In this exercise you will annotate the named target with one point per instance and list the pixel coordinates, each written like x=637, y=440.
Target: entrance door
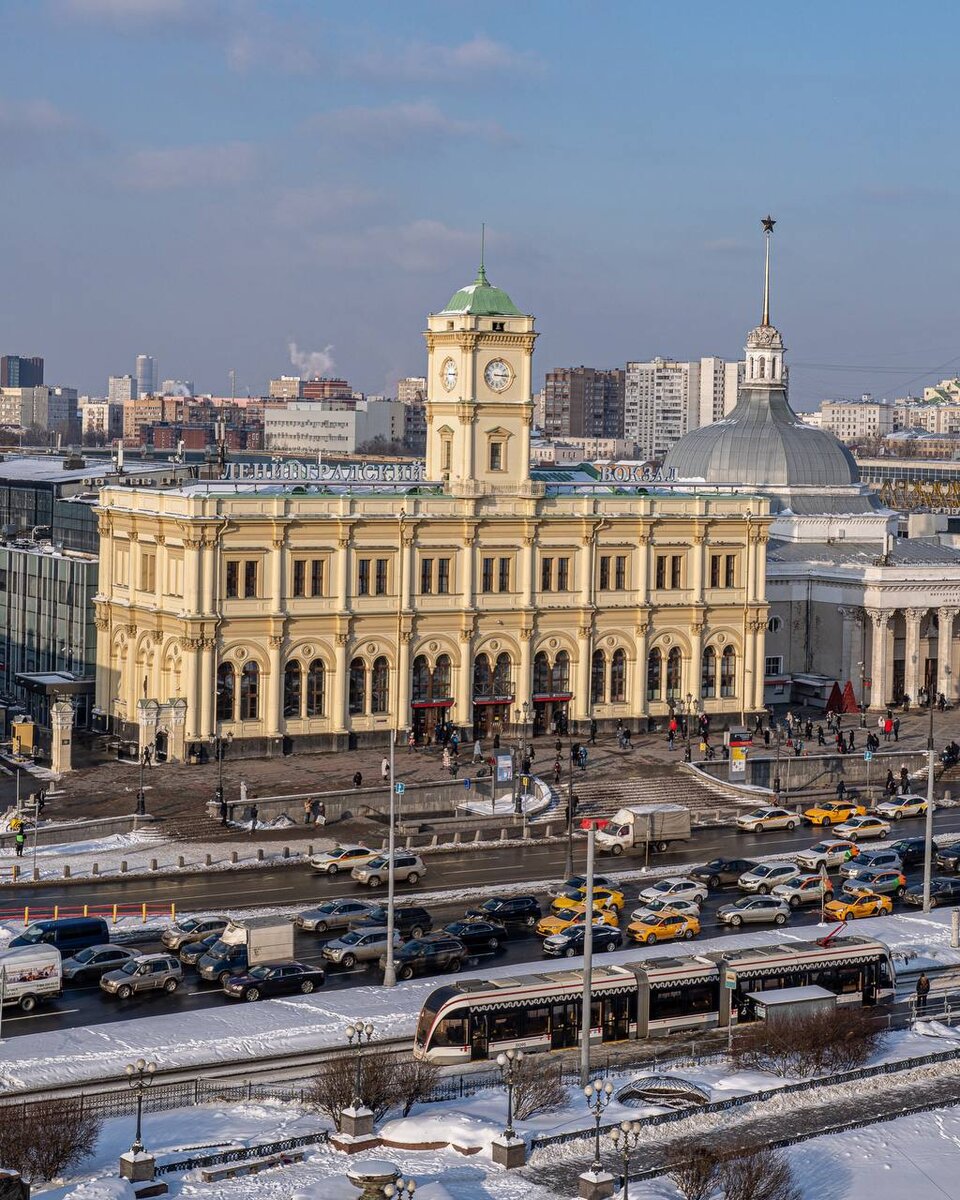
x=564, y=1026
x=616, y=1018
x=478, y=1036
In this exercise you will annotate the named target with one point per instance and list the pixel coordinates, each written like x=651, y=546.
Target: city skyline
x=269, y=188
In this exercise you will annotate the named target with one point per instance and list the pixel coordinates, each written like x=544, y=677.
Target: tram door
x=616, y=1018
x=564, y=1026
x=478, y=1036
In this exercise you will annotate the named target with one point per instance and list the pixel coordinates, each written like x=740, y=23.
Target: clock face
x=498, y=375
x=448, y=373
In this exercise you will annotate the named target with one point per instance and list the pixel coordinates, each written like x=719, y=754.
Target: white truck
x=645, y=827
x=29, y=975
x=246, y=943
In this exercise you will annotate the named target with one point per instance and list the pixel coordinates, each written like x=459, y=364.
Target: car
x=762, y=819
x=511, y=911
x=765, y=876
x=664, y=927
x=863, y=827
x=407, y=867
x=576, y=882
x=650, y=908
x=478, y=935
x=874, y=859
x=754, y=910
x=879, y=881
x=191, y=929
x=602, y=898
x=192, y=952
x=424, y=956
x=913, y=850
x=358, y=946
x=274, y=979
x=942, y=891
x=93, y=962
x=722, y=871
x=948, y=858
x=569, y=943
x=849, y=908
x=333, y=914
x=898, y=807
x=805, y=889
x=828, y=852
x=833, y=812
x=555, y=924
x=409, y=920
x=675, y=888
x=342, y=858
x=144, y=973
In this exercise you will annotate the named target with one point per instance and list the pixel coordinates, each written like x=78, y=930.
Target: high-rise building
x=101, y=420
x=53, y=409
x=121, y=389
x=412, y=389
x=146, y=375
x=583, y=402
x=287, y=387
x=665, y=399
x=325, y=389
x=19, y=372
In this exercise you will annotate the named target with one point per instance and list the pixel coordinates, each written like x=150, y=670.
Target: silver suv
x=359, y=945
x=146, y=973
x=406, y=866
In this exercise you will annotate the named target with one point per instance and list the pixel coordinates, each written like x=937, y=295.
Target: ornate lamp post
x=509, y=1064
x=598, y=1097
x=355, y=1036
x=140, y=1076
x=219, y=745
x=401, y=1188
x=626, y=1139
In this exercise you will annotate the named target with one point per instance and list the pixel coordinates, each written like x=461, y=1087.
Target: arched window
x=618, y=677
x=674, y=673
x=226, y=692
x=357, y=690
x=561, y=673
x=292, y=689
x=380, y=686
x=654, y=675
x=728, y=672
x=421, y=678
x=316, y=688
x=501, y=676
x=708, y=675
x=250, y=692
x=441, y=678
x=598, y=677
x=762, y=365
x=541, y=673
x=481, y=675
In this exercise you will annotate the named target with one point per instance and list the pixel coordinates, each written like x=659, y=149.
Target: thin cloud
x=470, y=61
x=301, y=208
x=400, y=124
x=191, y=166
x=132, y=12
x=31, y=130
x=419, y=247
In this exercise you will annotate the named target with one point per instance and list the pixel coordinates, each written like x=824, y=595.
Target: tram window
x=505, y=1026
x=451, y=1031
x=702, y=997
x=666, y=1003
x=850, y=980
x=884, y=973
x=537, y=1022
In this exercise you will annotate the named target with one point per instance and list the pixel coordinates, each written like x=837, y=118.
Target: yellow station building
x=312, y=608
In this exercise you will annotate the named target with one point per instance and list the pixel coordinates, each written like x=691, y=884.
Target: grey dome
x=762, y=443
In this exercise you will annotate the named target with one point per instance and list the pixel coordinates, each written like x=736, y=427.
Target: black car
x=274, y=979
x=720, y=872
x=575, y=882
x=478, y=935
x=948, y=858
x=192, y=952
x=409, y=920
x=569, y=943
x=424, y=956
x=911, y=850
x=942, y=891
x=508, y=910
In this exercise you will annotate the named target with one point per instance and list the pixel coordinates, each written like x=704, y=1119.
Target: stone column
x=945, y=680
x=878, y=657
x=340, y=684
x=176, y=742
x=747, y=682
x=638, y=684
x=524, y=686
x=759, y=642
x=206, y=686
x=911, y=653
x=61, y=721
x=697, y=551
x=271, y=722
x=643, y=569
x=527, y=568
x=581, y=695
x=463, y=707
x=402, y=695
x=695, y=671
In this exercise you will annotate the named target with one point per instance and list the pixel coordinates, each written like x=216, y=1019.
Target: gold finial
x=768, y=223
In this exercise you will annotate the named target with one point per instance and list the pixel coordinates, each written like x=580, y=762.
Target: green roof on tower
x=482, y=299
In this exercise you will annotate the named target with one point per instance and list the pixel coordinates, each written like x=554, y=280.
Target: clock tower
x=479, y=404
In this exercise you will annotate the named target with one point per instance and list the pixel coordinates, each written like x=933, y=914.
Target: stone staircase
x=663, y=785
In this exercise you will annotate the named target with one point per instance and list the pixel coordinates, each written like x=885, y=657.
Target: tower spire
x=768, y=223
x=482, y=274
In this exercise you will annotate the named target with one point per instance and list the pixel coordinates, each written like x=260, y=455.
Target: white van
x=29, y=975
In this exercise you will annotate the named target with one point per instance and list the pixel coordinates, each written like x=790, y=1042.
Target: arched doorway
x=493, y=694
x=431, y=697
x=551, y=693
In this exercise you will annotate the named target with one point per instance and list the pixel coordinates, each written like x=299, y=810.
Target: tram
x=475, y=1019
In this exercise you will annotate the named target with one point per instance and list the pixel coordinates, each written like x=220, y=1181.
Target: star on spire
x=768, y=223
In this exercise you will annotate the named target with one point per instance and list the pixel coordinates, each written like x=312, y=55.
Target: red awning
x=433, y=703
x=551, y=696
x=493, y=700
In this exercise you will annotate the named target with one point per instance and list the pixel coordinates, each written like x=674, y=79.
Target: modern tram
x=476, y=1019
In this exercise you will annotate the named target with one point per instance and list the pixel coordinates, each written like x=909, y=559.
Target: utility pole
x=585, y=1017
x=928, y=825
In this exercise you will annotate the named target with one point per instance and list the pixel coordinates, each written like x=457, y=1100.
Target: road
x=89, y=1006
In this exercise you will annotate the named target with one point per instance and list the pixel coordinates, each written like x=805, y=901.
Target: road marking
x=49, y=1012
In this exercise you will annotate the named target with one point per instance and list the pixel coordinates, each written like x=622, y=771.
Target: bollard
x=143, y=912
x=260, y=855
x=456, y=838
x=548, y=832
x=16, y=872
x=86, y=910
x=310, y=850
x=477, y=837
x=409, y=843
x=153, y=864
x=503, y=835
x=123, y=866
x=955, y=928
x=66, y=870
x=181, y=861
x=385, y=844
x=36, y=874
x=209, y=860
x=96, y=868
x=435, y=840
x=115, y=914
x=947, y=798
x=234, y=856
x=56, y=912
x=286, y=852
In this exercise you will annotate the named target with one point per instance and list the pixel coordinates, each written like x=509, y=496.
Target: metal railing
x=241, y=1154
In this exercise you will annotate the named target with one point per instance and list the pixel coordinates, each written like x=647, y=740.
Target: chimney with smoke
x=311, y=364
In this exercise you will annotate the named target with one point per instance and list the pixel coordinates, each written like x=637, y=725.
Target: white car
x=863, y=827
x=805, y=889
x=656, y=908
x=765, y=876
x=768, y=818
x=828, y=852
x=898, y=807
x=675, y=888
x=342, y=858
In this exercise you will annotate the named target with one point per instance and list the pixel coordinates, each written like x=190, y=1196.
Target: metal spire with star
x=768, y=223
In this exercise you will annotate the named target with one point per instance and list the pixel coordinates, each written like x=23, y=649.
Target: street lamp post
x=928, y=823
x=687, y=714
x=141, y=796
x=509, y=1064
x=598, y=1097
x=776, y=778
x=356, y=1034
x=220, y=742
x=400, y=1188
x=626, y=1139
x=140, y=1075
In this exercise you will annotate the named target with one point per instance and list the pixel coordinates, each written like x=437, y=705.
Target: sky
x=283, y=187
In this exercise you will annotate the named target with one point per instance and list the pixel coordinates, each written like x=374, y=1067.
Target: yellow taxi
x=602, y=898
x=833, y=812
x=575, y=916
x=850, y=907
x=664, y=927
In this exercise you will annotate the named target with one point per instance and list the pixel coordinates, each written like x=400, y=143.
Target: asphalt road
x=89, y=1006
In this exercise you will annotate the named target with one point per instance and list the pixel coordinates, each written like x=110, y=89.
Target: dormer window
x=499, y=326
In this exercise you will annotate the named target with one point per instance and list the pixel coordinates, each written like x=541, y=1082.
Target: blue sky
x=210, y=181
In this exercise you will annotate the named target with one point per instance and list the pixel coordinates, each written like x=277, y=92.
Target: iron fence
x=240, y=1154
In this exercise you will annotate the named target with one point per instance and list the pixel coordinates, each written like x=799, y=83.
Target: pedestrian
x=558, y=747
x=841, y=790
x=619, y=724
x=553, y=725
x=593, y=731
x=358, y=780
x=942, y=702
x=923, y=991
x=446, y=758
x=850, y=743
x=477, y=751
x=411, y=742
x=223, y=812
x=887, y=728
x=384, y=768
x=582, y=758
x=254, y=813
x=321, y=818
x=904, y=776
x=307, y=811
x=896, y=729
x=20, y=839
x=797, y=748
x=496, y=741
x=766, y=737
x=808, y=731
x=670, y=736
x=821, y=740
x=557, y=772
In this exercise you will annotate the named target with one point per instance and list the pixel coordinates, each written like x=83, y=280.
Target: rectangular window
x=546, y=574
x=563, y=574
x=621, y=572
x=730, y=571
x=496, y=456
x=175, y=575
x=661, y=575
x=714, y=570
x=363, y=577
x=233, y=579
x=122, y=566
x=316, y=577
x=443, y=576
x=381, y=576
x=148, y=572
x=676, y=561
x=299, y=578
x=504, y=581
x=604, y=583
x=773, y=664
x=486, y=576
x=250, y=579
x=426, y=576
